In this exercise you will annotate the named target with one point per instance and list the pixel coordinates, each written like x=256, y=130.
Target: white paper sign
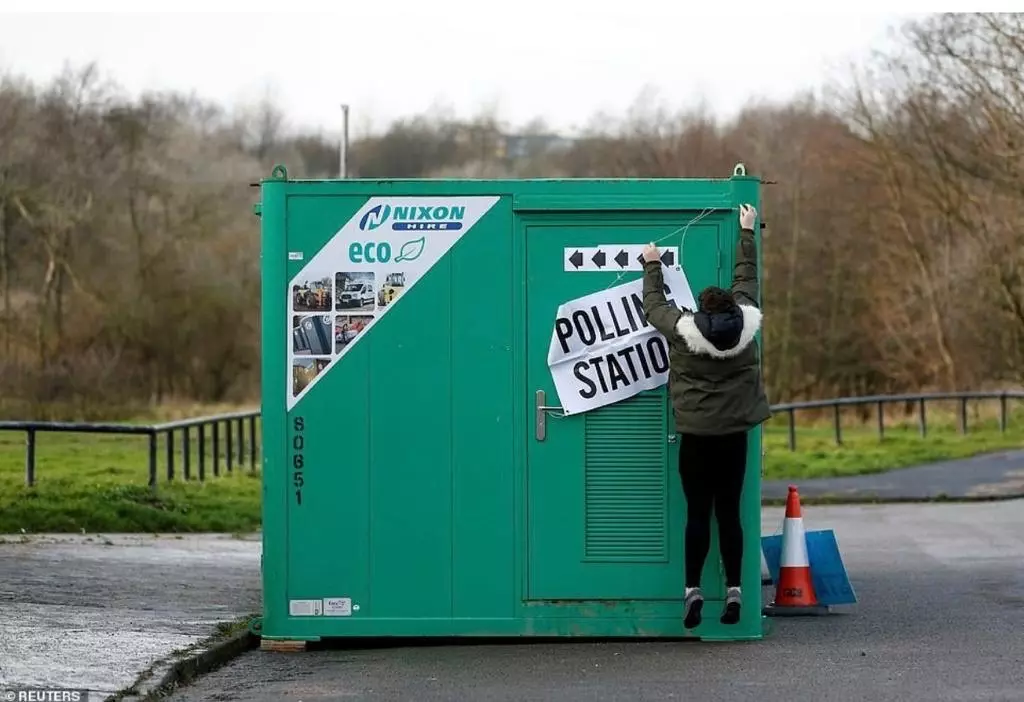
x=603, y=349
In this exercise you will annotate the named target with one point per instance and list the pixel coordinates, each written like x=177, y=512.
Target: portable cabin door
x=604, y=507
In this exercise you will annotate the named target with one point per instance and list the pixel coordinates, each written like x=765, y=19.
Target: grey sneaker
x=733, y=602
x=692, y=606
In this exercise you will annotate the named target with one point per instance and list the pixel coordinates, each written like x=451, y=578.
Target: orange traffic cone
x=794, y=593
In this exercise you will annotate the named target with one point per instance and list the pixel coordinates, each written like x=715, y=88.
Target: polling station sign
x=603, y=349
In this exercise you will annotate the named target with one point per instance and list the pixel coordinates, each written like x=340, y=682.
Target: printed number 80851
x=298, y=462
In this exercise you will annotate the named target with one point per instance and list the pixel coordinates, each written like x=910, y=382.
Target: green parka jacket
x=714, y=376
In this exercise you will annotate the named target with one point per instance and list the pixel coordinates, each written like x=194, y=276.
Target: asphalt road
x=990, y=475
x=93, y=612
x=941, y=610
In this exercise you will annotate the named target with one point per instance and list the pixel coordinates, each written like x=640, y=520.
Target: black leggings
x=712, y=470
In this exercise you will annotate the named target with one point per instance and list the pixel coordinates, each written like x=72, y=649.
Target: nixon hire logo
x=413, y=217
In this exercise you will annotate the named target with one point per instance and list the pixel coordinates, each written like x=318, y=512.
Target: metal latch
x=541, y=415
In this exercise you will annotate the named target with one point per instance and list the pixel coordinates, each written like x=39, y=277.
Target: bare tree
x=129, y=268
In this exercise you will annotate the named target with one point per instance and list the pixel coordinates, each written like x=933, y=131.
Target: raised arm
x=744, y=274
x=659, y=312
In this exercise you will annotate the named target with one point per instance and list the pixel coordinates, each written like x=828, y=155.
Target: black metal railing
x=225, y=435
x=880, y=401
x=237, y=434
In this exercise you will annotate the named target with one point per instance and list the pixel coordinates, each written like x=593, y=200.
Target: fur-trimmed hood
x=721, y=335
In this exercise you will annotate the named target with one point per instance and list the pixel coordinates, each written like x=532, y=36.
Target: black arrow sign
x=599, y=259
x=622, y=258
x=576, y=259
x=668, y=258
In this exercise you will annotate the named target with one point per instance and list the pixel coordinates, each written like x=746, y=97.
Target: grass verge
x=861, y=452
x=99, y=483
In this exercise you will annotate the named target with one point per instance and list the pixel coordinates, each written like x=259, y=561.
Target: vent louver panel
x=626, y=492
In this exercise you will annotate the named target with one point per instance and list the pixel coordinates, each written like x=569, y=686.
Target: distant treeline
x=129, y=255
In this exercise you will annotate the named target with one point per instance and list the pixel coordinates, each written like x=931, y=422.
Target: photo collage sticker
x=346, y=305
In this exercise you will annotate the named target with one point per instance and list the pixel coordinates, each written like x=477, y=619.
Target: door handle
x=540, y=416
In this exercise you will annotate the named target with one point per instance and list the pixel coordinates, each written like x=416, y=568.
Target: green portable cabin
x=422, y=477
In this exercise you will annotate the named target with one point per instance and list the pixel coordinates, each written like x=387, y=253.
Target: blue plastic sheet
x=831, y=581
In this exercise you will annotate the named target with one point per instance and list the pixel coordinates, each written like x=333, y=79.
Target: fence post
x=963, y=415
x=252, y=442
x=152, y=460
x=1002, y=412
x=186, y=453
x=202, y=452
x=216, y=449
x=922, y=420
x=229, y=447
x=837, y=424
x=240, y=426
x=881, y=421
x=170, y=454
x=30, y=457
x=792, y=429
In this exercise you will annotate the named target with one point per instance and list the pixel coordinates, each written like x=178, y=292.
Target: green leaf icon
x=410, y=250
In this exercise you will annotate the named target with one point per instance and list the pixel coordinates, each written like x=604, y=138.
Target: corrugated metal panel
x=626, y=495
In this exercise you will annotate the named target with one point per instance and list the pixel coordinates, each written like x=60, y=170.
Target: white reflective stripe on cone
x=794, y=545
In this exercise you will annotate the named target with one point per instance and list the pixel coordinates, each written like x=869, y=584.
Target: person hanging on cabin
x=717, y=396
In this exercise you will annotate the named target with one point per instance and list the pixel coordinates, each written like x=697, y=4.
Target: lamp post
x=343, y=155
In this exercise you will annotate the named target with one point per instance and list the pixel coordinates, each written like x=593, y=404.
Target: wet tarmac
x=941, y=608
x=941, y=589
x=989, y=475
x=93, y=612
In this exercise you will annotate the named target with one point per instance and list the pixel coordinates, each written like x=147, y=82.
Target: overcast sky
x=393, y=58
